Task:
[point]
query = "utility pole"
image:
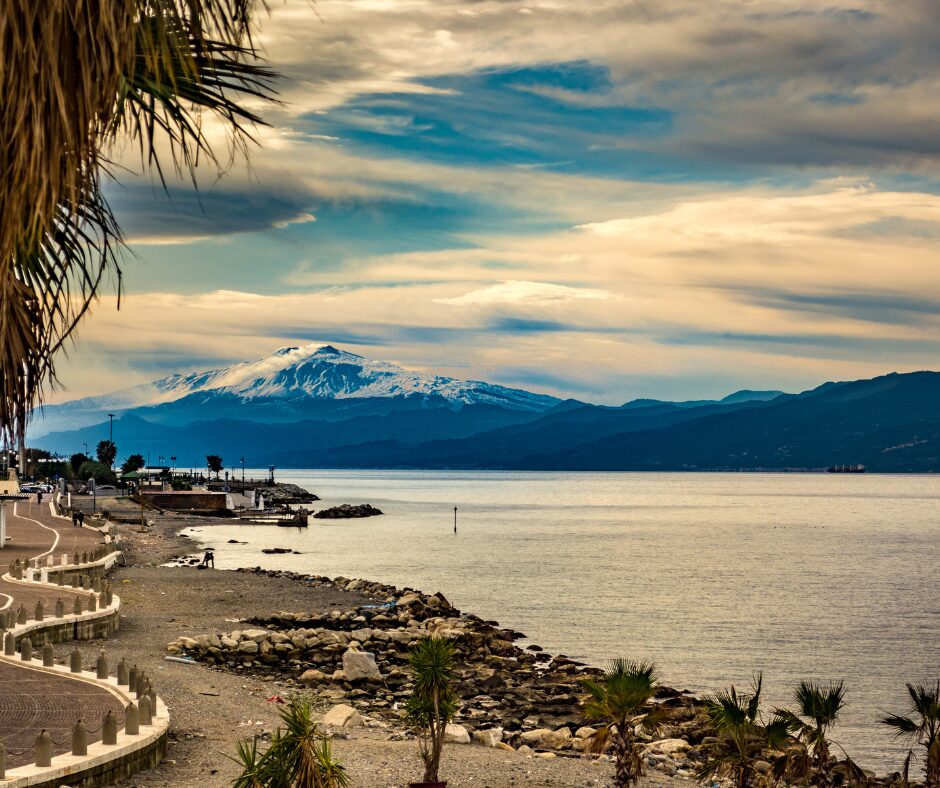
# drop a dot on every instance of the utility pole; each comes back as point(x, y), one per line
point(455, 519)
point(111, 427)
point(243, 475)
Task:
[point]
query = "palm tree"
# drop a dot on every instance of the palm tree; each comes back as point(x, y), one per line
point(299, 756)
point(921, 726)
point(78, 80)
point(817, 712)
point(433, 701)
point(742, 734)
point(616, 700)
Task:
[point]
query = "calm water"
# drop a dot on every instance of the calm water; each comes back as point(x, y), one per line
point(714, 576)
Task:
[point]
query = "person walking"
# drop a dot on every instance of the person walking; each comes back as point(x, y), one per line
point(81, 519)
point(208, 559)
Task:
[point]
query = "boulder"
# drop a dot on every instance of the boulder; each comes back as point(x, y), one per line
point(672, 746)
point(312, 677)
point(488, 738)
point(456, 734)
point(360, 666)
point(342, 716)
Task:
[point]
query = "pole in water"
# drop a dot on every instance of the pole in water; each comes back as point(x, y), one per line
point(455, 519)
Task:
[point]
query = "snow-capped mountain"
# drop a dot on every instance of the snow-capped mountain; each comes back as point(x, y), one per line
point(324, 372)
point(290, 375)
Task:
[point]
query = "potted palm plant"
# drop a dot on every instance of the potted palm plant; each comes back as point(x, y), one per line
point(432, 703)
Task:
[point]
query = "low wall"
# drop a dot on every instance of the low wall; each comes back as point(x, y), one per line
point(87, 626)
point(186, 501)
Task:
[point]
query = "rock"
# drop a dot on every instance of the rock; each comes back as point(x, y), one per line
point(346, 511)
point(557, 740)
point(360, 665)
point(488, 738)
point(585, 732)
point(547, 738)
point(248, 647)
point(456, 734)
point(525, 749)
point(342, 716)
point(671, 746)
point(532, 738)
point(276, 550)
point(501, 745)
point(762, 767)
point(312, 677)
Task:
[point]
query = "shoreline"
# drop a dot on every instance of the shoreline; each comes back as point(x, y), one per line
point(380, 732)
point(213, 709)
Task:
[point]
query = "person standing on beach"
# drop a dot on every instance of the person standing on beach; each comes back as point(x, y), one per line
point(209, 559)
point(81, 519)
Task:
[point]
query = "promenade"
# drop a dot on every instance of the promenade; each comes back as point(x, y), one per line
point(45, 562)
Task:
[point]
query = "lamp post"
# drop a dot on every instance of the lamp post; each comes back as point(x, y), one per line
point(111, 427)
point(243, 475)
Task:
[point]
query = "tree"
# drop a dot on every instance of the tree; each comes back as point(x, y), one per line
point(921, 725)
point(214, 464)
point(299, 756)
point(101, 473)
point(134, 462)
point(616, 700)
point(76, 461)
point(79, 81)
point(742, 735)
point(433, 700)
point(106, 452)
point(817, 712)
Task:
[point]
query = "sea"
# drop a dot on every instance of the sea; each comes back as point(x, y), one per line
point(714, 576)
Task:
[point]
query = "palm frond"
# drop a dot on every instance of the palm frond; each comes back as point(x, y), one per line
point(78, 78)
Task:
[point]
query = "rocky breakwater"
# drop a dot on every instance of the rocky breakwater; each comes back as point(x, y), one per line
point(347, 511)
point(510, 697)
point(284, 494)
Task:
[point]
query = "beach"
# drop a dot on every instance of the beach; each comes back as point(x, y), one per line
point(212, 709)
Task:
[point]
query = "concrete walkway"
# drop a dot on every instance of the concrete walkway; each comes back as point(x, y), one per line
point(30, 699)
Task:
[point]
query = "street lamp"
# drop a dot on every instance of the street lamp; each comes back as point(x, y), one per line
point(111, 427)
point(243, 475)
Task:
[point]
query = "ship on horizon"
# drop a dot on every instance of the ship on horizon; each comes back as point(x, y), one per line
point(845, 469)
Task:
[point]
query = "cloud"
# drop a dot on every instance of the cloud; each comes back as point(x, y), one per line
point(636, 198)
point(508, 293)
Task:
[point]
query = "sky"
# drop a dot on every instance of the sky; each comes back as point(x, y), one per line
point(602, 200)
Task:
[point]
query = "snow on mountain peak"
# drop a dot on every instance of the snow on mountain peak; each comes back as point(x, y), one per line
point(326, 372)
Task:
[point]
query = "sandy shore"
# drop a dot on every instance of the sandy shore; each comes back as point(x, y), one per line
point(212, 709)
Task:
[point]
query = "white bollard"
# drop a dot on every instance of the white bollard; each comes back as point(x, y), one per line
point(65, 559)
point(43, 575)
point(29, 574)
point(50, 560)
